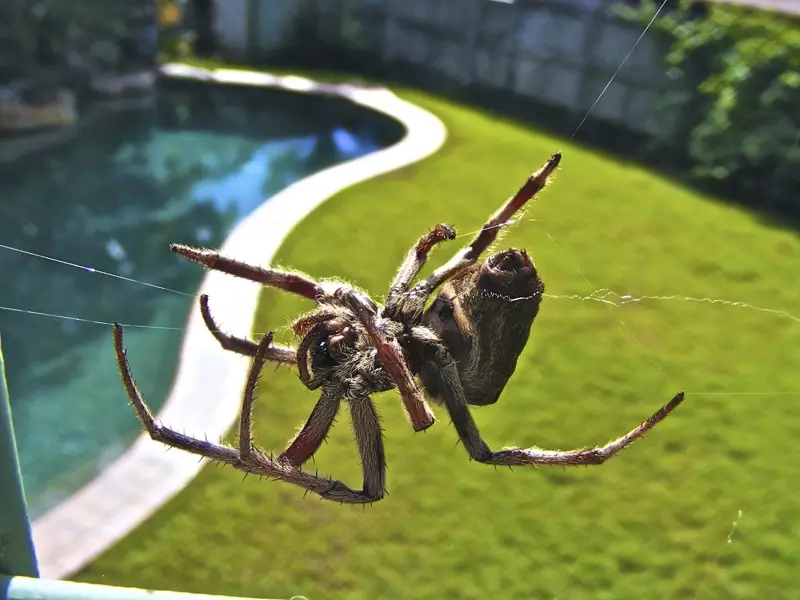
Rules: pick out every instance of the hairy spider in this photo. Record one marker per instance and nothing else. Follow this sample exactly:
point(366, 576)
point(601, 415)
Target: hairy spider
point(464, 347)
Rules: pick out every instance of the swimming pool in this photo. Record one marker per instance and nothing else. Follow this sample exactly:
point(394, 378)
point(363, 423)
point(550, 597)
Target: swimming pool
point(187, 167)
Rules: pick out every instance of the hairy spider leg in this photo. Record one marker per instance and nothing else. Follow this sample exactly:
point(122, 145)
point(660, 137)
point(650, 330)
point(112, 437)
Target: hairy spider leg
point(419, 412)
point(400, 305)
point(313, 432)
point(469, 255)
point(249, 459)
point(456, 404)
point(416, 258)
point(279, 354)
point(393, 362)
point(289, 282)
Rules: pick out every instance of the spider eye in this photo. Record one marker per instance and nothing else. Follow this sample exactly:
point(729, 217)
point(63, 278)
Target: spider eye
point(321, 357)
point(445, 309)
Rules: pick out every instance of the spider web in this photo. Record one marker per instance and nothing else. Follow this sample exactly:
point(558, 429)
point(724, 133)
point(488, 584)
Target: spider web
point(616, 300)
point(619, 300)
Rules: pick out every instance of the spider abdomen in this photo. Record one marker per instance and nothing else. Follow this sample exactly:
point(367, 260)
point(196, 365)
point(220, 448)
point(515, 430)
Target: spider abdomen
point(484, 317)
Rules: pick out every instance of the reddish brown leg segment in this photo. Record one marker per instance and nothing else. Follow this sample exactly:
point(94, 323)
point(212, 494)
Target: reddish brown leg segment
point(394, 363)
point(417, 256)
point(290, 282)
point(488, 234)
point(243, 346)
point(314, 431)
point(456, 404)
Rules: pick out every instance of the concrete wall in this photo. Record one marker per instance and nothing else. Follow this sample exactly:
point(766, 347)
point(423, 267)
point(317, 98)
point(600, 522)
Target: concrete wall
point(230, 26)
point(243, 27)
point(557, 52)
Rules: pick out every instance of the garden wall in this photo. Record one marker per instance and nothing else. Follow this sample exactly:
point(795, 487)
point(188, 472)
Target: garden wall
point(548, 61)
point(550, 52)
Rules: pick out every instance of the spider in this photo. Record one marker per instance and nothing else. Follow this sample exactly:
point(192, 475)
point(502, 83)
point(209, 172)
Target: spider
point(463, 348)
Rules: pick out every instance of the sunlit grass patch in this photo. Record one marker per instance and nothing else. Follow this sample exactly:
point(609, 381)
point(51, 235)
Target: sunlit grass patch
point(653, 523)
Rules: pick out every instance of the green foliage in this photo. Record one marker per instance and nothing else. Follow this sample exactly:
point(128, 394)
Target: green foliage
point(739, 72)
point(176, 41)
point(47, 36)
point(175, 46)
point(652, 523)
point(90, 28)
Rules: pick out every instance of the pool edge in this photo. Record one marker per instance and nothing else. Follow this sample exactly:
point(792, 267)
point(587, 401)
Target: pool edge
point(205, 395)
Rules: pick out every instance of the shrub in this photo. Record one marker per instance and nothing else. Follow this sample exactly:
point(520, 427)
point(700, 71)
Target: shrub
point(739, 76)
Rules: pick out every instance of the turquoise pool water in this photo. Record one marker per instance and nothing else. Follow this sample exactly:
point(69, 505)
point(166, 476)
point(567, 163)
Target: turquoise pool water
point(187, 167)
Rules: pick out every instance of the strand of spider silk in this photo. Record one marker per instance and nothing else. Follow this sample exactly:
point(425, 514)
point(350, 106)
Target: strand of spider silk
point(108, 323)
point(743, 393)
point(281, 329)
point(80, 320)
point(619, 68)
point(729, 540)
point(503, 224)
point(593, 531)
point(627, 329)
point(601, 298)
point(603, 295)
point(94, 271)
point(586, 116)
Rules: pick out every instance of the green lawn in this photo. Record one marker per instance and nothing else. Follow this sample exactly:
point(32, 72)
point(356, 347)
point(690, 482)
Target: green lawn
point(654, 523)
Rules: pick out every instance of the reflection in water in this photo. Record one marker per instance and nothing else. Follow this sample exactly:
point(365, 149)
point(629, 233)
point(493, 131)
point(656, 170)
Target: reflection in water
point(113, 198)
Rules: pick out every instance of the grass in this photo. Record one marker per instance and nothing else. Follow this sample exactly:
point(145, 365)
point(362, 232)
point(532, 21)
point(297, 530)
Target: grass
point(704, 507)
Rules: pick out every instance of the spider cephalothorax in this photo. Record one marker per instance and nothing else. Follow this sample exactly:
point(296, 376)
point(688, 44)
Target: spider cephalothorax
point(463, 346)
point(336, 355)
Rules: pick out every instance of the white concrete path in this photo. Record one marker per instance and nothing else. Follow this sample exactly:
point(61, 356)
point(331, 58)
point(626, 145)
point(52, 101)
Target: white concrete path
point(205, 396)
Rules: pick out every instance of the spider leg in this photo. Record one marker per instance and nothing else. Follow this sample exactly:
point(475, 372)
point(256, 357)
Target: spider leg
point(369, 438)
point(313, 433)
point(289, 282)
point(416, 259)
point(456, 404)
point(246, 457)
point(279, 354)
point(392, 361)
point(158, 432)
point(469, 255)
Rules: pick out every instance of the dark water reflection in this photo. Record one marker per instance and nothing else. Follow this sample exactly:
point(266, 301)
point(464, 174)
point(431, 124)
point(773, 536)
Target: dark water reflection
point(188, 168)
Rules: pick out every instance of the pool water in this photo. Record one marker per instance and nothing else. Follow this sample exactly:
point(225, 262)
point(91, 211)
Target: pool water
point(187, 166)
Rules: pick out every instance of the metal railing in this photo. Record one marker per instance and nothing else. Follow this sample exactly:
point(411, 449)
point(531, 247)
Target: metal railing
point(19, 573)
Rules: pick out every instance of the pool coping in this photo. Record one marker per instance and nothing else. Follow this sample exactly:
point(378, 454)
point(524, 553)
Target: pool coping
point(205, 395)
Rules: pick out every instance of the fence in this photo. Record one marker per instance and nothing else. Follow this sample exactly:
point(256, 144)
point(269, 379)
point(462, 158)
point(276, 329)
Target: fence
point(548, 53)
